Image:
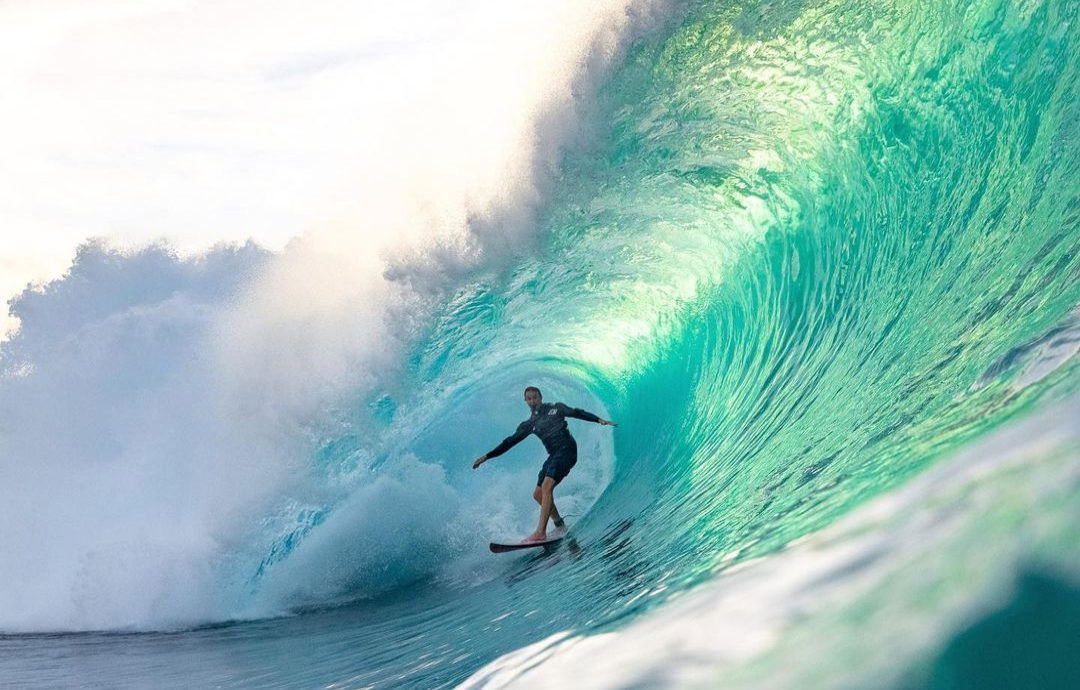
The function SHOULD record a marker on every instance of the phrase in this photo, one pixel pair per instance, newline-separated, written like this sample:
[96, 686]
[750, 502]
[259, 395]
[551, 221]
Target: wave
[169, 417]
[800, 252]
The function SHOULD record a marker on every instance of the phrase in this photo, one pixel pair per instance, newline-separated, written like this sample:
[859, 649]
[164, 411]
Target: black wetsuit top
[549, 423]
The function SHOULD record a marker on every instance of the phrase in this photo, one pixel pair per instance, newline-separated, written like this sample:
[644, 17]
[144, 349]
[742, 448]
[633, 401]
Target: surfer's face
[532, 399]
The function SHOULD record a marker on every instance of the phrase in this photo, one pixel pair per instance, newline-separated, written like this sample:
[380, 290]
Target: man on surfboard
[548, 422]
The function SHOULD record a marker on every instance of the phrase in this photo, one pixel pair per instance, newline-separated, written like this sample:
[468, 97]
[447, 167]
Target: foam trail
[388, 533]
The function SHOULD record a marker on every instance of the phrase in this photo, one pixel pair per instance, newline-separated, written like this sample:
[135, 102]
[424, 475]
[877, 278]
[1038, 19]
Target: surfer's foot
[535, 536]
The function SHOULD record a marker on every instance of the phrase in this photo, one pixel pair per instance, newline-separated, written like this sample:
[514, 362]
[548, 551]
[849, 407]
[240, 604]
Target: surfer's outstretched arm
[523, 430]
[578, 413]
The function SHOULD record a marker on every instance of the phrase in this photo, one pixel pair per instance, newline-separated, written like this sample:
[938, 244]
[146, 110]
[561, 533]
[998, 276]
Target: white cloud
[192, 121]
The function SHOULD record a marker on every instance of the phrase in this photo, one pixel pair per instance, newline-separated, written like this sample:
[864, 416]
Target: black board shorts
[558, 464]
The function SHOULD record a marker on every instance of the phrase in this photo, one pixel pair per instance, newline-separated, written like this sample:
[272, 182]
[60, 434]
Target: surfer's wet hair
[533, 388]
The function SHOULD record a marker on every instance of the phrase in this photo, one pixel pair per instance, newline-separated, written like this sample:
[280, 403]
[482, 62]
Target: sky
[191, 122]
[382, 126]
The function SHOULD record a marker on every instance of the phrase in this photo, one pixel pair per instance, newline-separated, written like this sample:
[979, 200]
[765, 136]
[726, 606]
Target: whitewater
[819, 260]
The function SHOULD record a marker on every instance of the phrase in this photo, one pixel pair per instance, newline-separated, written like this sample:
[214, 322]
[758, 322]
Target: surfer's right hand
[479, 461]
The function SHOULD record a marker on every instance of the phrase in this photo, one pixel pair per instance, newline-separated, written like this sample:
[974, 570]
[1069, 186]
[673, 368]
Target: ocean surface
[820, 261]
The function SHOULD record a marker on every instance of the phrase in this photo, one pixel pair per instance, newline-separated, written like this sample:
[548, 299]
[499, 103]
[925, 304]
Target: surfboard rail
[502, 547]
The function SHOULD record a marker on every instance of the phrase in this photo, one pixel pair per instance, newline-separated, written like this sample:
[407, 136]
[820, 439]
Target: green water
[808, 257]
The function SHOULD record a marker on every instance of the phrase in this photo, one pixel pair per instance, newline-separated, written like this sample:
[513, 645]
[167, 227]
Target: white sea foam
[154, 408]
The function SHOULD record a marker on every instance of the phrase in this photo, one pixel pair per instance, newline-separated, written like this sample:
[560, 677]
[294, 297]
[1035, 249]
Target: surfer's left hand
[607, 422]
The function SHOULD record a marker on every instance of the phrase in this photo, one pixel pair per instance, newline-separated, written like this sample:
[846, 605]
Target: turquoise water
[804, 253]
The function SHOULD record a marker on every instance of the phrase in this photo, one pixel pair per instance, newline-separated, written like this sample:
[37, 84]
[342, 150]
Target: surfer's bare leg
[556, 519]
[547, 504]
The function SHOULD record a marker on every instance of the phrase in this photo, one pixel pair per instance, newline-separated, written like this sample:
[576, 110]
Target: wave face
[807, 250]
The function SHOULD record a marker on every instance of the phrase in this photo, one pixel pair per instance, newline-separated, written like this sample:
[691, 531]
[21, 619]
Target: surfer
[548, 422]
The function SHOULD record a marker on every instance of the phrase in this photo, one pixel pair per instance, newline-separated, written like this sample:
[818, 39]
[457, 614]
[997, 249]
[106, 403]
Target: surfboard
[500, 547]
